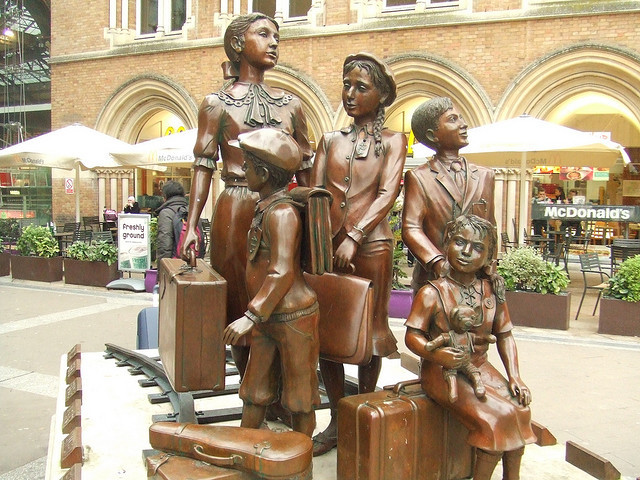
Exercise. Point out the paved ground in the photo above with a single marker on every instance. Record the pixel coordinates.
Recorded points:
(585, 386)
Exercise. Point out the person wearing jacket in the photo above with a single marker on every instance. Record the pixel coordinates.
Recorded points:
(173, 193)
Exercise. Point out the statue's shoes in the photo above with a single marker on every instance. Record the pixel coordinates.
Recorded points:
(323, 443)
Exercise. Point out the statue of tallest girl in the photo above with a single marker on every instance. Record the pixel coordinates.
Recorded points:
(242, 105)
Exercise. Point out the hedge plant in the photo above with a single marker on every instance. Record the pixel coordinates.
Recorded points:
(94, 252)
(37, 241)
(524, 269)
(625, 284)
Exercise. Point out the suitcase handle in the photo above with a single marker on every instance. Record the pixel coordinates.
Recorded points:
(218, 461)
(398, 387)
(192, 258)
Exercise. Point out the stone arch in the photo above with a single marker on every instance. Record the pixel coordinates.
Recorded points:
(134, 102)
(421, 75)
(315, 103)
(569, 72)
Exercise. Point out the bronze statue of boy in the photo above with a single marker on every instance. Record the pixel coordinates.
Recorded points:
(283, 313)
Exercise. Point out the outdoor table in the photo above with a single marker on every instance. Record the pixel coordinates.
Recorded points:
(539, 242)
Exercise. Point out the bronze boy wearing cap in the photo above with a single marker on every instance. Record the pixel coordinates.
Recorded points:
(361, 166)
(283, 312)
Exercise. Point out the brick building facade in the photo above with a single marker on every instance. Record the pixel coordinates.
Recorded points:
(496, 58)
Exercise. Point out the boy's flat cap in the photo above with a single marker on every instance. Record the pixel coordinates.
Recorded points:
(273, 146)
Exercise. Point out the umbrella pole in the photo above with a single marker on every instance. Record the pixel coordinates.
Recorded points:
(524, 197)
(77, 188)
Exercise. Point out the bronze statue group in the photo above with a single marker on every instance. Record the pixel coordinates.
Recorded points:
(260, 136)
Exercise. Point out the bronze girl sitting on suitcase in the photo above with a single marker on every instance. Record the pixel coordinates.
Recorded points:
(499, 423)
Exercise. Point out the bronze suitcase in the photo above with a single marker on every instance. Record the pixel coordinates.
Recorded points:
(191, 322)
(400, 433)
(345, 320)
(266, 454)
(164, 466)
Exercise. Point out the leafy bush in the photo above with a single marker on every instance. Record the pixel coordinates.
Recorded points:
(153, 235)
(524, 269)
(78, 251)
(398, 253)
(9, 228)
(38, 241)
(94, 252)
(625, 284)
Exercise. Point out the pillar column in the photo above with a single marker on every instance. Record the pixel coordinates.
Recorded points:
(113, 193)
(102, 191)
(498, 202)
(512, 197)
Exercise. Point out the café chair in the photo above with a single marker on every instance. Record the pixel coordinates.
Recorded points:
(621, 249)
(506, 243)
(69, 229)
(206, 230)
(82, 236)
(91, 223)
(590, 267)
(102, 237)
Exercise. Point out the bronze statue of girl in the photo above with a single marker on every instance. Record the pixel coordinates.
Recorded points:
(361, 166)
(244, 104)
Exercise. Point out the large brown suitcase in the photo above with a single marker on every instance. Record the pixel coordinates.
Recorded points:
(165, 466)
(400, 434)
(266, 454)
(191, 322)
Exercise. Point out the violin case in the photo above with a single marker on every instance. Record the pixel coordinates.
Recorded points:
(399, 432)
(192, 318)
(165, 466)
(264, 454)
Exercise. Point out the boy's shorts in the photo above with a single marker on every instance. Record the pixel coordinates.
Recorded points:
(284, 352)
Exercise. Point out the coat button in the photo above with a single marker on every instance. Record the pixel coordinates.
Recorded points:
(343, 204)
(346, 179)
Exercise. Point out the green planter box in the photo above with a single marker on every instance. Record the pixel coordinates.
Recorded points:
(528, 309)
(93, 274)
(36, 268)
(618, 317)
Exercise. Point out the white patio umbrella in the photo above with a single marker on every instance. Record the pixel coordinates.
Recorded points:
(525, 141)
(72, 147)
(176, 148)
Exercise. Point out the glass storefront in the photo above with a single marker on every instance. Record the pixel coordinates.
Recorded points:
(25, 193)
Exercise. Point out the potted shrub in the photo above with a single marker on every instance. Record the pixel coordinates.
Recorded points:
(401, 296)
(5, 261)
(151, 275)
(536, 293)
(620, 305)
(92, 264)
(9, 232)
(38, 259)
